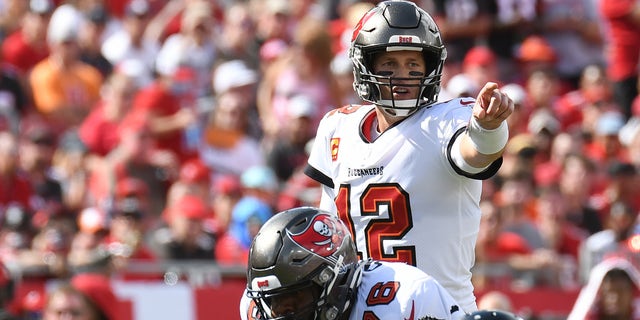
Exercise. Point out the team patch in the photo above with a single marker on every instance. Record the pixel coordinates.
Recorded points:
(335, 144)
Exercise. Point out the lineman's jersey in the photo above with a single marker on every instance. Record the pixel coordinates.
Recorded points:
(391, 291)
(402, 193)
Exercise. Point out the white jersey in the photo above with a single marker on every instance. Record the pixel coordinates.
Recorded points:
(401, 195)
(392, 291)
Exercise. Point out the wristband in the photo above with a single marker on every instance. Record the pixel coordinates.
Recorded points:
(488, 141)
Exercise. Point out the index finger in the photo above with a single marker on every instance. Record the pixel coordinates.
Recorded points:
(484, 97)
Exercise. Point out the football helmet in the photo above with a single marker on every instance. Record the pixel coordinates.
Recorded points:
(491, 315)
(395, 26)
(303, 249)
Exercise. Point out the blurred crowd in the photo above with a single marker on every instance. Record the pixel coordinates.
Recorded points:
(158, 130)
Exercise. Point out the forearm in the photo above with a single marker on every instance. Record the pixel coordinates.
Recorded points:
(480, 147)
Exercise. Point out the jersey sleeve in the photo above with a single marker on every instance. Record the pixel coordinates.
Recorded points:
(319, 162)
(459, 115)
(432, 300)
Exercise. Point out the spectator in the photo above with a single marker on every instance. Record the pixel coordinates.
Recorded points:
(37, 146)
(495, 300)
(248, 215)
(479, 66)
(13, 100)
(129, 43)
(49, 248)
(135, 157)
(15, 188)
(272, 18)
(605, 147)
(184, 237)
(519, 118)
(461, 28)
(594, 92)
(167, 108)
(192, 47)
(621, 25)
(64, 88)
(618, 226)
(261, 182)
(495, 249)
(621, 185)
(90, 37)
(27, 45)
(289, 152)
(99, 130)
(610, 293)
(225, 194)
(577, 182)
(126, 239)
(69, 167)
(305, 70)
(543, 89)
(227, 148)
(514, 20)
(534, 53)
(518, 206)
(10, 16)
(547, 171)
(519, 157)
(93, 227)
(572, 28)
(232, 43)
(97, 288)
(238, 77)
(194, 179)
(65, 302)
(559, 236)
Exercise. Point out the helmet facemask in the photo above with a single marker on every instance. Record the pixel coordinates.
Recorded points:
(331, 289)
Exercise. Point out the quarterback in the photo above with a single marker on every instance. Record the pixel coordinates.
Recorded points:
(404, 173)
(303, 265)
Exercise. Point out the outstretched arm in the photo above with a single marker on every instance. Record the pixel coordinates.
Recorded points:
(487, 134)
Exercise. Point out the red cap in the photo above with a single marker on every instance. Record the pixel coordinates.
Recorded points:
(479, 56)
(131, 187)
(184, 74)
(189, 206)
(227, 184)
(194, 171)
(98, 288)
(536, 49)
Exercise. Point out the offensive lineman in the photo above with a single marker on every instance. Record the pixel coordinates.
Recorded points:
(404, 173)
(303, 266)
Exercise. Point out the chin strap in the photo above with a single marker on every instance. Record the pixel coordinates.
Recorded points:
(400, 108)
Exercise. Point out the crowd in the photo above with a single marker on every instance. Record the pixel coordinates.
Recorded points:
(154, 130)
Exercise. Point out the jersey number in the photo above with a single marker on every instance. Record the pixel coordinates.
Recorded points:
(394, 227)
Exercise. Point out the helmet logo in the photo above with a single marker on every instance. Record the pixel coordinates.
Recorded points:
(262, 284)
(361, 23)
(323, 236)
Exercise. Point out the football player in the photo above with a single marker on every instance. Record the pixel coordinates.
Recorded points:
(303, 265)
(405, 172)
